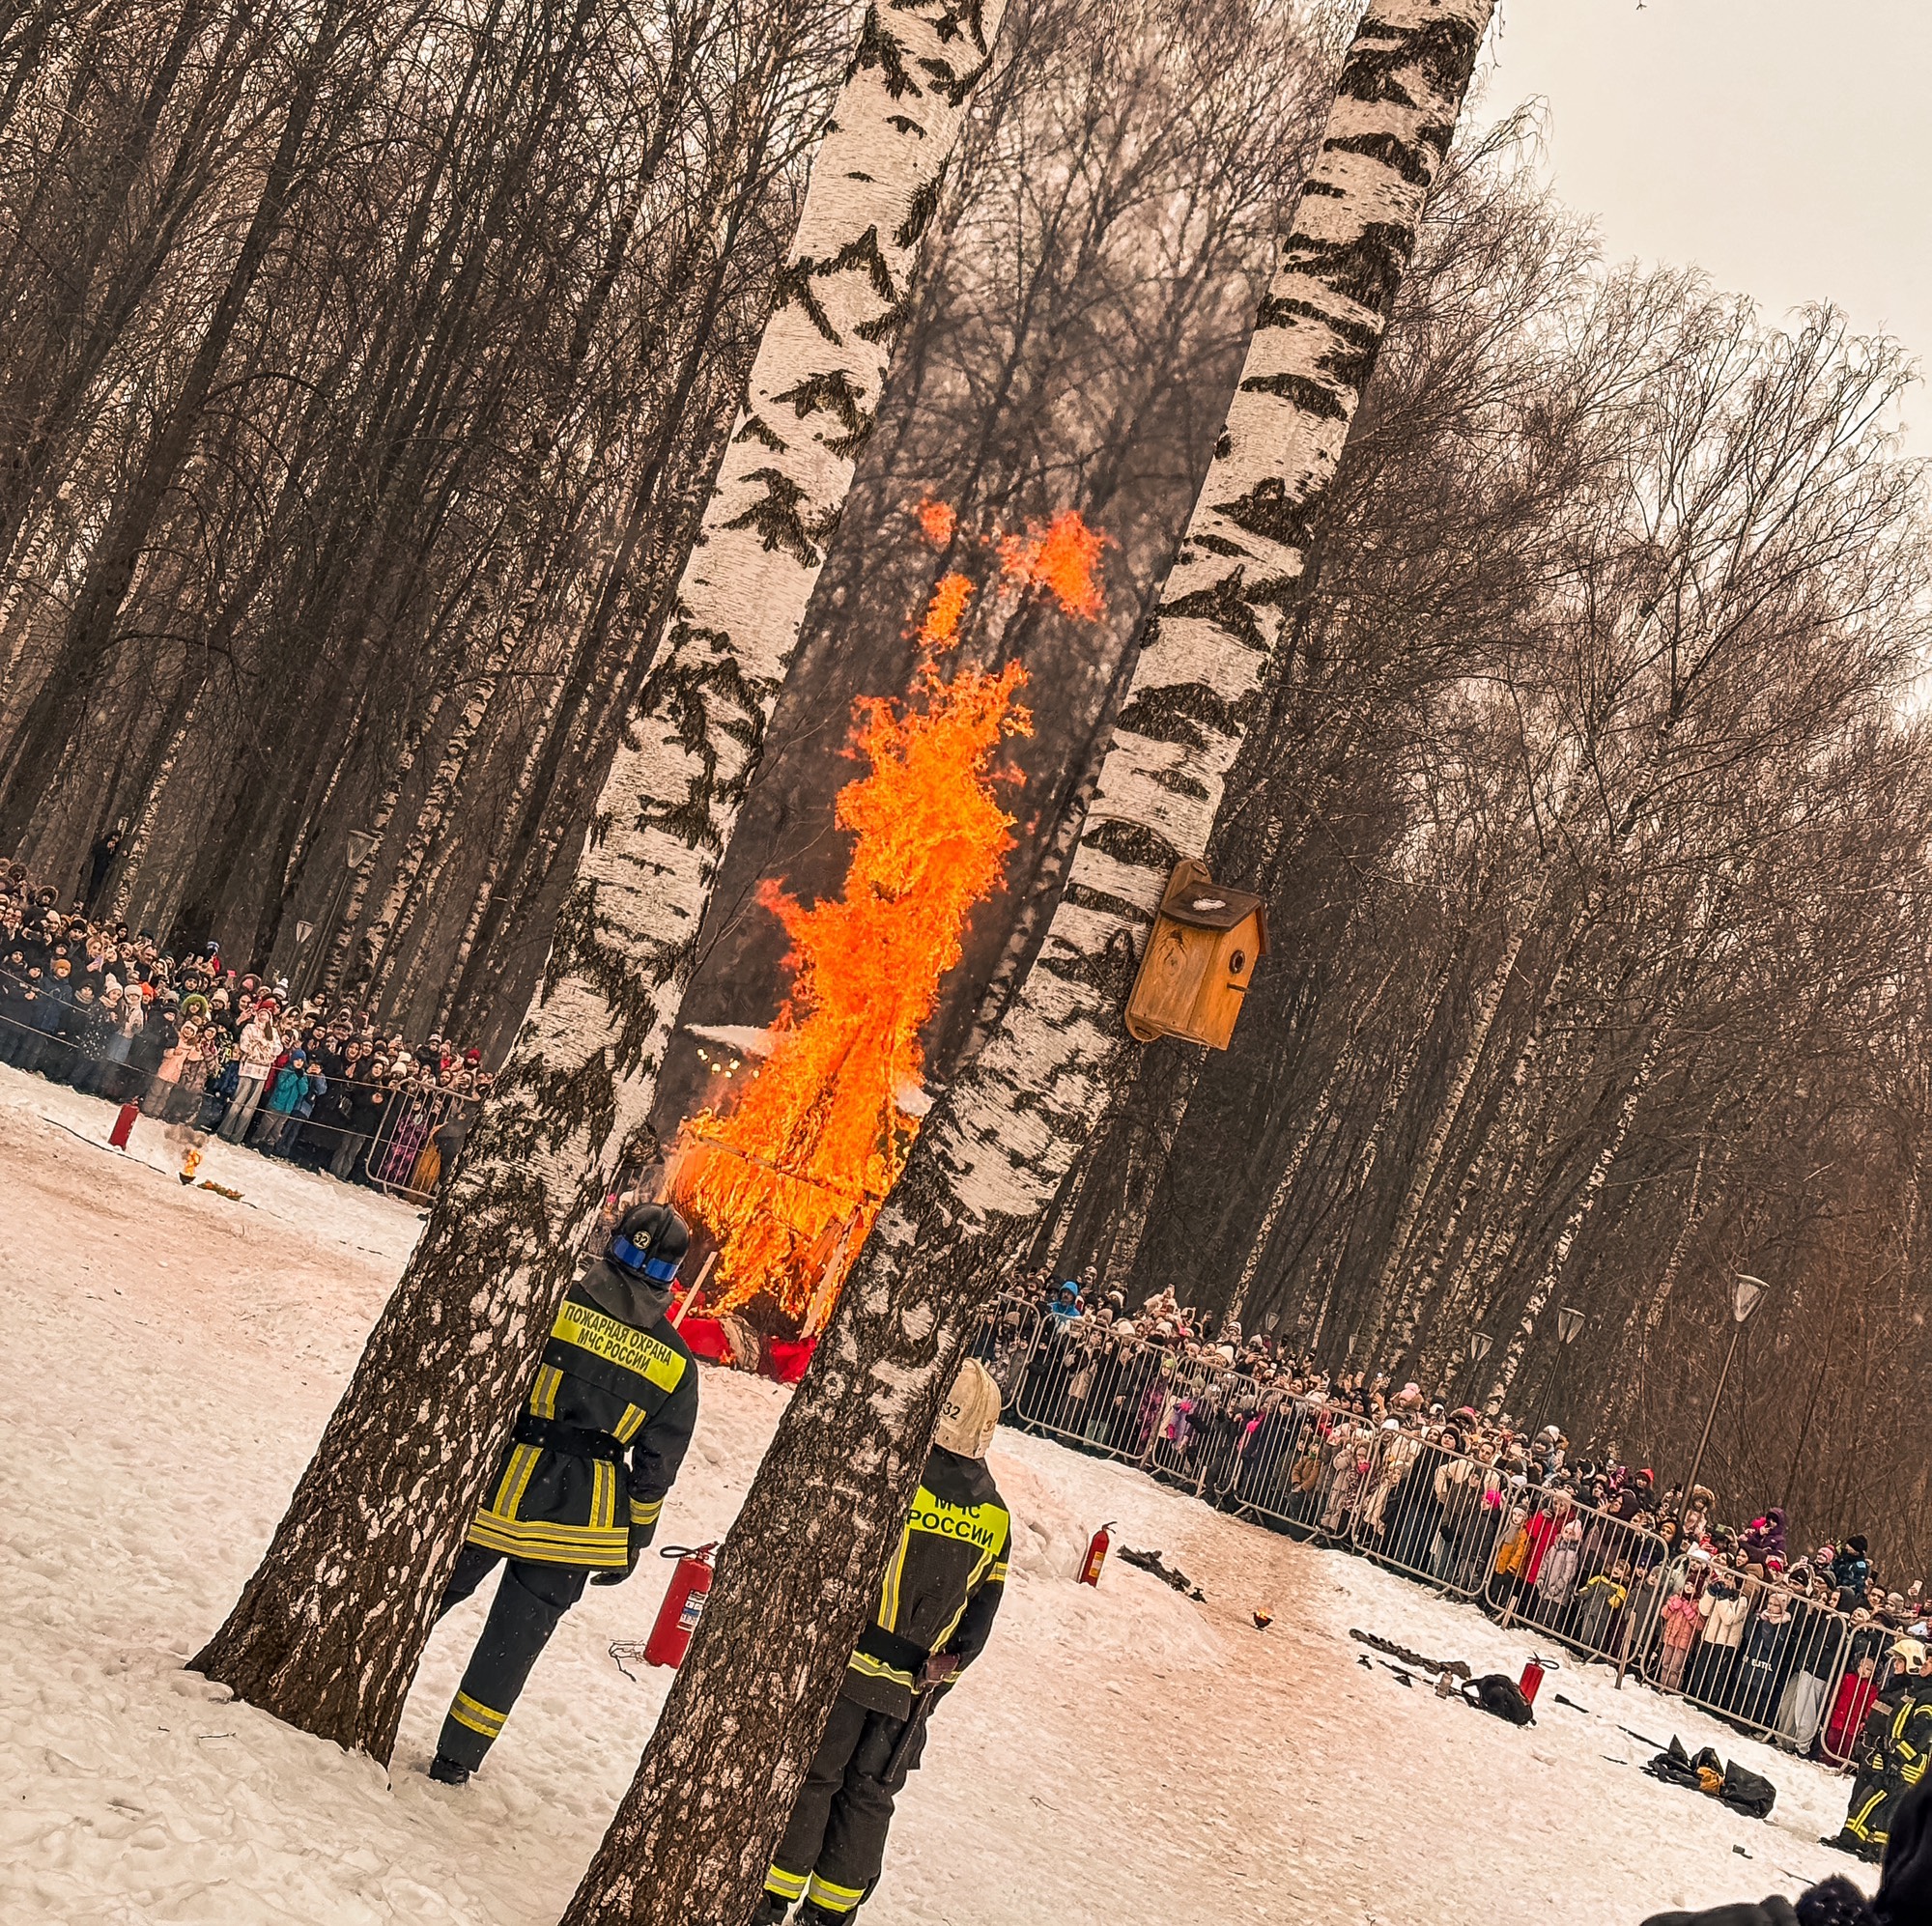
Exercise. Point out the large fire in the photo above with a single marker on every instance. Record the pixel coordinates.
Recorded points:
(788, 1178)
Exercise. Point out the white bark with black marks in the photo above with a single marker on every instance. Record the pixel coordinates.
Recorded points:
(328, 1632)
(801, 1567)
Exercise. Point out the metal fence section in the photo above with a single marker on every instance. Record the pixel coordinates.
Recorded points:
(1789, 1669)
(419, 1128)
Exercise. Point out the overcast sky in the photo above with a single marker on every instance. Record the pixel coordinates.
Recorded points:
(1783, 145)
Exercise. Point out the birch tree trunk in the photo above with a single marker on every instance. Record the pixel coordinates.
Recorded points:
(1586, 1202)
(1342, 1068)
(1422, 1175)
(795, 1578)
(327, 1632)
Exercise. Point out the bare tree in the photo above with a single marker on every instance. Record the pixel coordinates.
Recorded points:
(795, 1579)
(328, 1632)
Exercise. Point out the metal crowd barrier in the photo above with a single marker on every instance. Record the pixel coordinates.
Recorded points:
(404, 1157)
(1788, 1669)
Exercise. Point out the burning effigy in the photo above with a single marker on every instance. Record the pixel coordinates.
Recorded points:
(788, 1173)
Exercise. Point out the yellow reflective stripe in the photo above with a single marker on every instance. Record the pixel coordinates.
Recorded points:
(835, 1898)
(516, 1479)
(476, 1716)
(551, 1544)
(618, 1342)
(543, 1394)
(889, 1592)
(940, 1643)
(877, 1668)
(627, 1426)
(1855, 1823)
(644, 1512)
(997, 1574)
(603, 1495)
(787, 1885)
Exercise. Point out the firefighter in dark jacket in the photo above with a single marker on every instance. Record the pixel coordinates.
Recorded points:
(1892, 1761)
(936, 1604)
(616, 1383)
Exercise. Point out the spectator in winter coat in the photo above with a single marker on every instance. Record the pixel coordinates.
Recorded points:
(285, 1088)
(82, 1029)
(1858, 1693)
(1754, 1695)
(1724, 1608)
(314, 1087)
(257, 1049)
(1764, 1538)
(1683, 1623)
(1558, 1578)
(1852, 1573)
(1349, 1470)
(1598, 1604)
(368, 1107)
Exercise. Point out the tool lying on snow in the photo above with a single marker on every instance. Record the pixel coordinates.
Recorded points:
(1168, 1574)
(1433, 1666)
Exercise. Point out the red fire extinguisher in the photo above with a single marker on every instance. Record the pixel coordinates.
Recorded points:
(683, 1605)
(1532, 1678)
(124, 1125)
(1096, 1555)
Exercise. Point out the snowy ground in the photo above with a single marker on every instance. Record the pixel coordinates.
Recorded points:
(1119, 1755)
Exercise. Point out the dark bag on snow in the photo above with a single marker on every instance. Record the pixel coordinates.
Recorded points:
(1746, 1793)
(1499, 1693)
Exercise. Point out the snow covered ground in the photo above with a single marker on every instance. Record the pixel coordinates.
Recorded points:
(1120, 1754)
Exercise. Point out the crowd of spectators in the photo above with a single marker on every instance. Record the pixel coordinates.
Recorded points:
(1800, 1644)
(89, 1002)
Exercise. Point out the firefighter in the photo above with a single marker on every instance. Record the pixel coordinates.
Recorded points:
(616, 1382)
(1904, 1889)
(1893, 1760)
(942, 1587)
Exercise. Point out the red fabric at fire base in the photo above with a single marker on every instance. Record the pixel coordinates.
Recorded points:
(788, 1358)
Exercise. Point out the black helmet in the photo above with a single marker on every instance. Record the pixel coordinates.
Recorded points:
(648, 1244)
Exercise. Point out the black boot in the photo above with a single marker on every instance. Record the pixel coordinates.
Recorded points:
(813, 1915)
(447, 1772)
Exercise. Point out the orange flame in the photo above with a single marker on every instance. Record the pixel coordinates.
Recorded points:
(1061, 559)
(941, 628)
(937, 520)
(788, 1178)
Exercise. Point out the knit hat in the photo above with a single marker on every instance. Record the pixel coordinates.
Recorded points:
(971, 1413)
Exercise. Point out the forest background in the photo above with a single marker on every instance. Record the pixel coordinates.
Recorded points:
(363, 371)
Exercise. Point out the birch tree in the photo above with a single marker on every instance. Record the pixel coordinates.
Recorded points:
(328, 1632)
(795, 1578)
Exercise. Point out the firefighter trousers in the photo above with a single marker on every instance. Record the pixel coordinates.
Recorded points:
(835, 1842)
(529, 1602)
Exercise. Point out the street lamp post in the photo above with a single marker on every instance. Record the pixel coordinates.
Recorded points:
(1480, 1343)
(1746, 1295)
(1568, 1326)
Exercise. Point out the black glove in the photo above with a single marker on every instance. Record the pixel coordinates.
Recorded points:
(641, 1536)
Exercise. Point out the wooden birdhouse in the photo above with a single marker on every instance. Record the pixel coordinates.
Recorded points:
(1199, 960)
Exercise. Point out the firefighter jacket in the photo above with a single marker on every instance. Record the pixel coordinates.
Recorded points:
(609, 1389)
(942, 1587)
(1908, 1748)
